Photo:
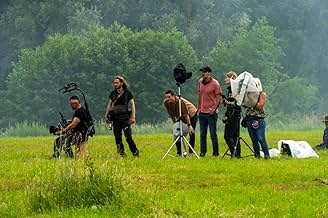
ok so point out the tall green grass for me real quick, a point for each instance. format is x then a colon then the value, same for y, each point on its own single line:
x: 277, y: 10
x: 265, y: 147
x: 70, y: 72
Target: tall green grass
x: 26, y: 128
x: 34, y: 185
x: 70, y: 189
x: 287, y: 123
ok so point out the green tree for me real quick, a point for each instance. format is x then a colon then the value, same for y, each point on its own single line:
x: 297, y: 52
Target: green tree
x: 145, y: 58
x: 304, y: 97
x: 27, y: 24
x: 83, y: 19
x: 256, y: 51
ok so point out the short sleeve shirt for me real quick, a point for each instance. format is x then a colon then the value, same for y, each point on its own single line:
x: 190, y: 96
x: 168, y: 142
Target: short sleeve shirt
x: 208, y: 94
x: 82, y: 126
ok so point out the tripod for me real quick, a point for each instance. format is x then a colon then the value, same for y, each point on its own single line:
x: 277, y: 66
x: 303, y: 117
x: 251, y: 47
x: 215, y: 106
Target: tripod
x: 240, y: 139
x: 180, y: 137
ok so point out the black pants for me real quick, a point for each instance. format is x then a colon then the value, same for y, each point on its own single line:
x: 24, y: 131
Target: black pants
x: 118, y: 126
x: 231, y: 136
x: 193, y: 122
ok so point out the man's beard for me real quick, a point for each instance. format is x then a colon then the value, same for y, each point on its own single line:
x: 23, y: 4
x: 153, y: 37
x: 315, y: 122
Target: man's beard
x: 205, y: 81
x: 75, y: 108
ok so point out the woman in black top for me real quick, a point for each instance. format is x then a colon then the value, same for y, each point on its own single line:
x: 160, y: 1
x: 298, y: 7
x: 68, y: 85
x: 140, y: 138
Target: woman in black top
x: 231, y: 118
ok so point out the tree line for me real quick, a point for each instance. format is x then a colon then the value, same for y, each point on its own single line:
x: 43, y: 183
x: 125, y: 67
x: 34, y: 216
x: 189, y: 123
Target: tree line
x: 45, y: 44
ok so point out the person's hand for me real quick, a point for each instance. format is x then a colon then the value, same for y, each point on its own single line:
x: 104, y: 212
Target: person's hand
x: 132, y: 120
x: 190, y: 130
x: 229, y: 103
x: 106, y: 119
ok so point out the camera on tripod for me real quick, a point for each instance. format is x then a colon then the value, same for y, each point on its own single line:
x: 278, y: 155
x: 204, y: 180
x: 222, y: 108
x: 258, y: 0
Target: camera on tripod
x: 179, y: 129
x: 180, y: 73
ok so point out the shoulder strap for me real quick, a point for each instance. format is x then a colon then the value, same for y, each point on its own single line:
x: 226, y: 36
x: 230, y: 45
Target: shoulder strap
x: 119, y: 95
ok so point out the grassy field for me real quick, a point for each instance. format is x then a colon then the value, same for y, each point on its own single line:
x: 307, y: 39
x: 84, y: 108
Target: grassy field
x: 34, y: 185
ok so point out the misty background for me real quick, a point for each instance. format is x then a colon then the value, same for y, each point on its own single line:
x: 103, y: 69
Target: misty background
x: 47, y: 44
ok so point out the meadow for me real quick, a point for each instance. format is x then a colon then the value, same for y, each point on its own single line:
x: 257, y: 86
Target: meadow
x: 32, y: 184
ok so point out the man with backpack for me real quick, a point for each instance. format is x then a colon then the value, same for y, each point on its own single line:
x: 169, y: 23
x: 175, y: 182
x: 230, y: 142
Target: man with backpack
x: 122, y: 117
x: 78, y: 127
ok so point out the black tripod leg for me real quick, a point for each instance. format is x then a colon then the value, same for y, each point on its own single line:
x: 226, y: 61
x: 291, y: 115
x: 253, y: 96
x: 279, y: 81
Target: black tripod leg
x: 247, y: 144
x: 240, y: 138
x: 235, y: 147
x: 226, y: 153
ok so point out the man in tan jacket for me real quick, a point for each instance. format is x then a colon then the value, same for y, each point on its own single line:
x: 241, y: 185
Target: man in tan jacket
x: 189, y: 116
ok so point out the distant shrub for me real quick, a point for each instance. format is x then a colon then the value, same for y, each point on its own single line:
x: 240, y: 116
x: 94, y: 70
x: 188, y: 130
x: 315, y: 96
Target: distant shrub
x: 26, y: 129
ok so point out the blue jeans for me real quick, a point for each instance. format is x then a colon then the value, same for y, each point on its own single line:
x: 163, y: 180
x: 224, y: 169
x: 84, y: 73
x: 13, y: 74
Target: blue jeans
x: 208, y: 120
x: 258, y: 136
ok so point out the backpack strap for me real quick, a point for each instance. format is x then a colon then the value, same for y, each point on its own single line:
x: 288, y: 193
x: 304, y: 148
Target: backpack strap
x: 119, y: 95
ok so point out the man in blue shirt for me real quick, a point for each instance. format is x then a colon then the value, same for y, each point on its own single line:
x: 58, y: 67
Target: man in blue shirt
x: 324, y: 144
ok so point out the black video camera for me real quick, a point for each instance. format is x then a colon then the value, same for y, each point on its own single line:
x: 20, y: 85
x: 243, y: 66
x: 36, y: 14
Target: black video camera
x: 53, y: 129
x: 180, y: 73
x: 62, y: 124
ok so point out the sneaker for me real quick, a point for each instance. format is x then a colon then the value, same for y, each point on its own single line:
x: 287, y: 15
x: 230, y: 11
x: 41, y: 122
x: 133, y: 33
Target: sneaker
x: 257, y: 156
x: 202, y: 154
x: 266, y: 157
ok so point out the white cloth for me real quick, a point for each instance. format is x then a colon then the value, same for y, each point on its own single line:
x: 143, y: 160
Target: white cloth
x: 176, y: 129
x: 298, y: 149
x: 273, y: 152
x: 246, y: 89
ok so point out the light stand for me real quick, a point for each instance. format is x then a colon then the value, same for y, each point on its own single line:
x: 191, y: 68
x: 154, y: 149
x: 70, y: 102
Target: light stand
x: 181, y: 137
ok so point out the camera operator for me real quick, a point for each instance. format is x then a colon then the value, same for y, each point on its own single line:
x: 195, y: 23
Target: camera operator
x: 77, y: 129
x: 118, y: 112
x: 255, y: 123
x: 231, y: 118
x: 209, y: 98
x: 189, y: 116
